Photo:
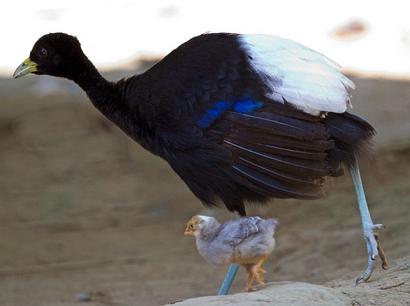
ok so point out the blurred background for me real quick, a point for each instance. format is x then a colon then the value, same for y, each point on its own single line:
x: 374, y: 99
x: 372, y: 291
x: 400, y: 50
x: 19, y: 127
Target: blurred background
x: 88, y: 217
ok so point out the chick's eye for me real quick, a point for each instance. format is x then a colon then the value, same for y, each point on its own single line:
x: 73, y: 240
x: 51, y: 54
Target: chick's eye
x: 43, y: 52
x: 191, y: 226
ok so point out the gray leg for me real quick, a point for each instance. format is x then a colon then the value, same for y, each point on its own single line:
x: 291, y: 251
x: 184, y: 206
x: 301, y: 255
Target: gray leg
x: 369, y: 229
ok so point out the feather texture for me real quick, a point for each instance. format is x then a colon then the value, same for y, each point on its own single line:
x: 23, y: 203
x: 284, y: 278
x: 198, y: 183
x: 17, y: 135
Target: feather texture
x: 236, y: 116
x: 301, y: 76
x: 241, y: 240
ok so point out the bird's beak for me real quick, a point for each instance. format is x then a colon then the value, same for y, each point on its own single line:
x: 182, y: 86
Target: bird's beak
x: 28, y: 66
x: 188, y: 232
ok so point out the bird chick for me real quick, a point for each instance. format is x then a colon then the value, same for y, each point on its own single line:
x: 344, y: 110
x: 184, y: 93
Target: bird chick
x: 247, y: 241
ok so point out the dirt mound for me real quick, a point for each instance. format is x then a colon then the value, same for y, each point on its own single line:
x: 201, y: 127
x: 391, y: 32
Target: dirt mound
x: 391, y: 287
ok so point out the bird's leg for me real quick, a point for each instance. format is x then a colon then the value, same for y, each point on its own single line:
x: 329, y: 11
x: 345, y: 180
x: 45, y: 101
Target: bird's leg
x: 255, y: 271
x: 229, y: 277
x: 258, y: 271
x: 251, y: 276
x: 369, y: 229
x: 232, y: 270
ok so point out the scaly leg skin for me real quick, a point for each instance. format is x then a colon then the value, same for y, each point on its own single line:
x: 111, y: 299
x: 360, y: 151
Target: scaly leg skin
x: 251, y: 276
x: 370, y: 233
x: 229, y: 277
x: 255, y: 272
x: 258, y: 271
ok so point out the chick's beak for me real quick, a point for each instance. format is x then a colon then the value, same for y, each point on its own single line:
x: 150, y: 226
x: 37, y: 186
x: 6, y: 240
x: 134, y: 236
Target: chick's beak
x: 28, y: 66
x: 188, y: 231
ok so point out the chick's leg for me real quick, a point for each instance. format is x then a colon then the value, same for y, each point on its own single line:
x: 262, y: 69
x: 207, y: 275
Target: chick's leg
x: 251, y: 276
x: 258, y: 271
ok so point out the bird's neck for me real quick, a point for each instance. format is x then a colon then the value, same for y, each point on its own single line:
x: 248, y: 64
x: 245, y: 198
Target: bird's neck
x: 210, y: 231
x: 101, y: 92
x: 106, y: 97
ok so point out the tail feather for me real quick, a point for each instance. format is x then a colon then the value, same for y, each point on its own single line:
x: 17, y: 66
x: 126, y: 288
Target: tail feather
x: 284, y: 153
x: 352, y: 136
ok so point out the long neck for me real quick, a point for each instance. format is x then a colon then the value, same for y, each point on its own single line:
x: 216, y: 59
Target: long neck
x: 101, y: 92
x: 106, y: 97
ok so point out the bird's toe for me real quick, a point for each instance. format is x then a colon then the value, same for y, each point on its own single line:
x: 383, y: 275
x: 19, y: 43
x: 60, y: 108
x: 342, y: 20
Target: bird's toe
x: 374, y: 250
x: 249, y: 289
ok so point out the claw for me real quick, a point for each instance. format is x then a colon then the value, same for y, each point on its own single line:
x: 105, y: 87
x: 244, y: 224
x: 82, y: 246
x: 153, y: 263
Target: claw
x: 374, y: 249
x: 367, y: 272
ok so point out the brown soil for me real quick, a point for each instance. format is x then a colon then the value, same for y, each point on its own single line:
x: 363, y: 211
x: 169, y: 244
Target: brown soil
x: 84, y: 210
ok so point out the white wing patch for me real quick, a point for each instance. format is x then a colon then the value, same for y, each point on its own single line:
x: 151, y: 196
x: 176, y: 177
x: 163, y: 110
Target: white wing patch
x: 301, y: 76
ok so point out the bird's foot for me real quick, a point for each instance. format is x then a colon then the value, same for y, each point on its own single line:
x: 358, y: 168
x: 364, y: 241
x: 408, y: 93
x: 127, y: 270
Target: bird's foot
x: 261, y: 284
x: 249, y: 289
x: 259, y: 276
x: 374, y: 249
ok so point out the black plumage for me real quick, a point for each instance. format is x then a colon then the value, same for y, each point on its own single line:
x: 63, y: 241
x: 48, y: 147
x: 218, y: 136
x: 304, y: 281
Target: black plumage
x: 207, y: 112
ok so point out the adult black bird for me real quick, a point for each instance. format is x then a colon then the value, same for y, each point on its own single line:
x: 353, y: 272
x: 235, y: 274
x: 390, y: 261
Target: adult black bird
x: 240, y: 118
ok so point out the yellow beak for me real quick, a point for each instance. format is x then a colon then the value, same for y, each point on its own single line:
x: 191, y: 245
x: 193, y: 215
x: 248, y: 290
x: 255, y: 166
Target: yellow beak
x: 28, y: 66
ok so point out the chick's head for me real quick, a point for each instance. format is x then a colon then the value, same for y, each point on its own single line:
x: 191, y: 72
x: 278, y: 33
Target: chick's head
x: 196, y: 224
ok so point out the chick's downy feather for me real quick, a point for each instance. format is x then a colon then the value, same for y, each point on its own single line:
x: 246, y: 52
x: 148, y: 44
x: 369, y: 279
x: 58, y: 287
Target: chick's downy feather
x: 239, y: 241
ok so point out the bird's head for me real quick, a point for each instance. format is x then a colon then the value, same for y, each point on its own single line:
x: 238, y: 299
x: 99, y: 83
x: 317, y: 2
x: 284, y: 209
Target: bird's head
x: 197, y: 223
x: 56, y: 54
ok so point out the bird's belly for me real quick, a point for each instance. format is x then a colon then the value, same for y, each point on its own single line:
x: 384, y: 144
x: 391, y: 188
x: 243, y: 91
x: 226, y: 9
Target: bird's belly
x: 215, y: 255
x: 249, y: 252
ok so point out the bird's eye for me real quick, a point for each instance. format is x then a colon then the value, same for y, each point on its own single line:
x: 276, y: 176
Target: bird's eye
x: 43, y: 52
x: 191, y: 226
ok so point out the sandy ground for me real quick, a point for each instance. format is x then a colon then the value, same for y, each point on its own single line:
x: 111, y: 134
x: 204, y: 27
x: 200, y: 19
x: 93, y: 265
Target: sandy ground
x: 390, y: 288
x: 85, y: 210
